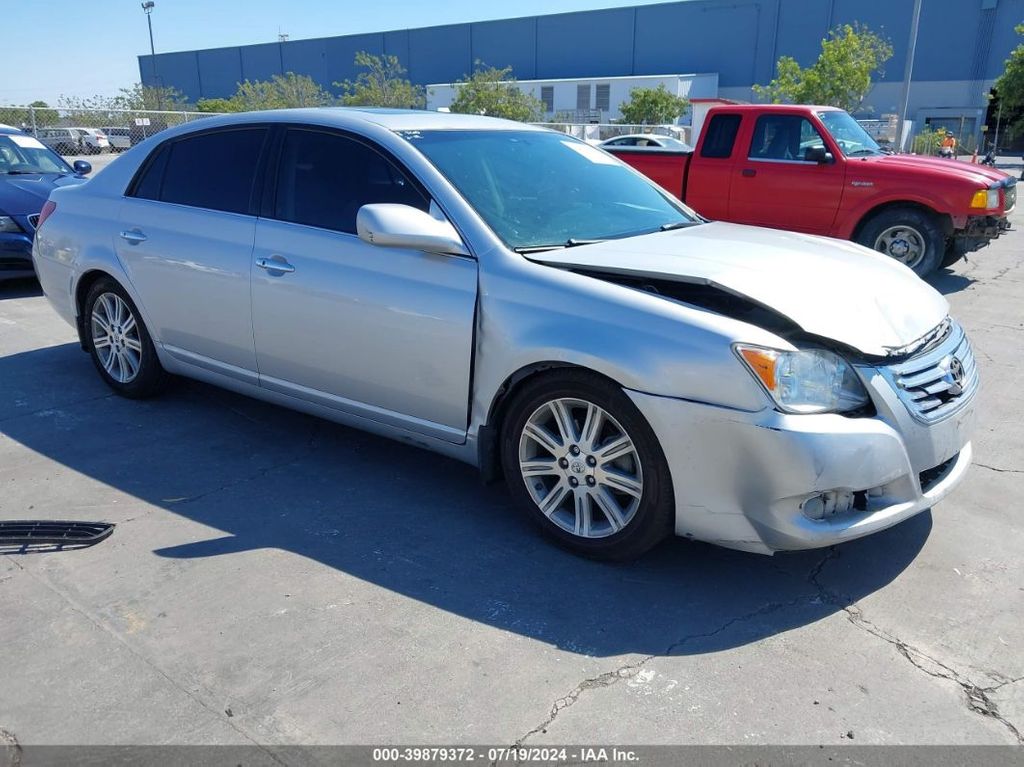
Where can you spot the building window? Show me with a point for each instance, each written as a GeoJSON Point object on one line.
{"type": "Point", "coordinates": [583, 98]}
{"type": "Point", "coordinates": [547, 96]}
{"type": "Point", "coordinates": [603, 98]}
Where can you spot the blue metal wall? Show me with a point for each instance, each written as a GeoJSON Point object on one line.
{"type": "Point", "coordinates": [960, 40]}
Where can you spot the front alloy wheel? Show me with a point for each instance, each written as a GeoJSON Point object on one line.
{"type": "Point", "coordinates": [586, 466]}
{"type": "Point", "coordinates": [903, 243]}
{"type": "Point", "coordinates": [581, 468]}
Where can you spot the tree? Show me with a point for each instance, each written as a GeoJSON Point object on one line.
{"type": "Point", "coordinates": [280, 92]}
{"type": "Point", "coordinates": [217, 105]}
{"type": "Point", "coordinates": [495, 93]}
{"type": "Point", "coordinates": [652, 106]}
{"type": "Point", "coordinates": [841, 77]}
{"type": "Point", "coordinates": [382, 85]}
{"type": "Point", "coordinates": [141, 97]}
{"type": "Point", "coordinates": [1009, 88]}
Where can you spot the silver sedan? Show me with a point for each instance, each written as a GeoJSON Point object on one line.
{"type": "Point", "coordinates": [522, 301]}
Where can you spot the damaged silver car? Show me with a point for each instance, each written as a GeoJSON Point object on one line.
{"type": "Point", "coordinates": [522, 301]}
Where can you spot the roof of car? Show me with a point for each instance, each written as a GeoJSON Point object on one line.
{"type": "Point", "coordinates": [392, 119]}
{"type": "Point", "coordinates": [801, 108]}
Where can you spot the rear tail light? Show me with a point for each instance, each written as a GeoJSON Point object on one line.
{"type": "Point", "coordinates": [44, 214]}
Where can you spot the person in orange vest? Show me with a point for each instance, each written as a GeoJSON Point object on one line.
{"type": "Point", "coordinates": [948, 146]}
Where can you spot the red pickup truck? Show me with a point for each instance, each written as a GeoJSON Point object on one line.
{"type": "Point", "coordinates": [816, 170]}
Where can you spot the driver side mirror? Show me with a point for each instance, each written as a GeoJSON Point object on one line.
{"type": "Point", "coordinates": [82, 168]}
{"type": "Point", "coordinates": [819, 155]}
{"type": "Point", "coordinates": [391, 225]}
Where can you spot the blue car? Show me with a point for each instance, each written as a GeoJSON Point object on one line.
{"type": "Point", "coordinates": [28, 172]}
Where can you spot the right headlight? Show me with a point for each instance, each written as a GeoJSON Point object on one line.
{"type": "Point", "coordinates": [805, 381]}
{"type": "Point", "coordinates": [986, 199]}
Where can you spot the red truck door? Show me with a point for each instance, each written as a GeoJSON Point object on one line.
{"type": "Point", "coordinates": [711, 167]}
{"type": "Point", "coordinates": [780, 184]}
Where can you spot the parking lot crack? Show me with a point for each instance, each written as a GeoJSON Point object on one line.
{"type": "Point", "coordinates": [630, 670]}
{"type": "Point", "coordinates": [1000, 470]}
{"type": "Point", "coordinates": [976, 697]}
{"type": "Point", "coordinates": [311, 446]}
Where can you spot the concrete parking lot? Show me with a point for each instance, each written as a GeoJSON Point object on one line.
{"type": "Point", "coordinates": [278, 579]}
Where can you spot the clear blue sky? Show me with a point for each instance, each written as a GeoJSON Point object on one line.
{"type": "Point", "coordinates": [85, 48]}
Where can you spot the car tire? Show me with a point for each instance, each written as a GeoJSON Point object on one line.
{"type": "Point", "coordinates": [909, 235]}
{"type": "Point", "coordinates": [125, 358]}
{"type": "Point", "coordinates": [604, 494]}
{"type": "Point", "coordinates": [954, 253]}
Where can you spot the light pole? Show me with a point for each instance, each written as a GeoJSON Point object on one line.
{"type": "Point", "coordinates": [908, 72]}
{"type": "Point", "coordinates": [147, 8]}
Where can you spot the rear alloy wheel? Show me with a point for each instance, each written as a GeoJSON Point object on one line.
{"type": "Point", "coordinates": [588, 468]}
{"type": "Point", "coordinates": [908, 235]}
{"type": "Point", "coordinates": [119, 343]}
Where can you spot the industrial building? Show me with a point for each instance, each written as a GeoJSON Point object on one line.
{"type": "Point", "coordinates": [961, 47]}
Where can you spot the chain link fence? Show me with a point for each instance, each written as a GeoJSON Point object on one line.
{"type": "Point", "coordinates": [597, 132]}
{"type": "Point", "coordinates": [93, 131]}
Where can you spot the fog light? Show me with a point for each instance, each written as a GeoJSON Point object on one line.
{"type": "Point", "coordinates": [819, 507]}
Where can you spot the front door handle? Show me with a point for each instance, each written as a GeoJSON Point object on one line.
{"type": "Point", "coordinates": [275, 264]}
{"type": "Point", "coordinates": [133, 236]}
{"type": "Point", "coordinates": [749, 172]}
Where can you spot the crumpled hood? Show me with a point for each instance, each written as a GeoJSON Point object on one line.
{"type": "Point", "coordinates": [25, 195]}
{"type": "Point", "coordinates": [830, 288]}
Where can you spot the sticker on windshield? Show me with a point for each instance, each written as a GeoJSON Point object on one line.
{"type": "Point", "coordinates": [25, 141]}
{"type": "Point", "coordinates": [596, 156]}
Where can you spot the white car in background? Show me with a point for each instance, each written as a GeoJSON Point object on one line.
{"type": "Point", "coordinates": [94, 140]}
{"type": "Point", "coordinates": [120, 138]}
{"type": "Point", "coordinates": [648, 141]}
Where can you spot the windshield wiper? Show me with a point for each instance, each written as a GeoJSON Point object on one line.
{"type": "Point", "coordinates": [858, 152]}
{"type": "Point", "coordinates": [678, 225]}
{"type": "Point", "coordinates": [27, 172]}
{"type": "Point", "coordinates": [572, 242]}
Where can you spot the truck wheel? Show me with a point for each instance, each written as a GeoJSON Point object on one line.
{"type": "Point", "coordinates": [586, 467]}
{"type": "Point", "coordinates": [911, 236]}
{"type": "Point", "coordinates": [954, 253]}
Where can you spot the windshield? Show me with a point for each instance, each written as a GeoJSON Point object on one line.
{"type": "Point", "coordinates": [541, 189]}
{"type": "Point", "coordinates": [852, 139]}
{"type": "Point", "coordinates": [24, 154]}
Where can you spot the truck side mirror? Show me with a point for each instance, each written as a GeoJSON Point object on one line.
{"type": "Point", "coordinates": [819, 155]}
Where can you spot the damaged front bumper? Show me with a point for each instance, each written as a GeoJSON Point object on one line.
{"type": "Point", "coordinates": [768, 481]}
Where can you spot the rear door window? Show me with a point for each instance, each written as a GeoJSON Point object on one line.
{"type": "Point", "coordinates": [324, 178]}
{"type": "Point", "coordinates": [720, 136]}
{"type": "Point", "coordinates": [214, 170]}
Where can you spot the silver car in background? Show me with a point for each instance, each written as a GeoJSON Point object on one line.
{"type": "Point", "coordinates": [522, 301]}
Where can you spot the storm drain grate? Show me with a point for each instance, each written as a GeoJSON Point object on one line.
{"type": "Point", "coordinates": [53, 533]}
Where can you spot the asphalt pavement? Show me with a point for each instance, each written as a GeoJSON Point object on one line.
{"type": "Point", "coordinates": [277, 579]}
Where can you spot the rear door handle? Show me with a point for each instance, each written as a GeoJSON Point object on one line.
{"type": "Point", "coordinates": [133, 236]}
{"type": "Point", "coordinates": [275, 264]}
{"type": "Point", "coordinates": [749, 172]}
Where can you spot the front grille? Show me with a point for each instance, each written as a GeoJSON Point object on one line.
{"type": "Point", "coordinates": [938, 382]}
{"type": "Point", "coordinates": [34, 220]}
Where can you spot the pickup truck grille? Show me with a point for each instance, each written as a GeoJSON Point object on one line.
{"type": "Point", "coordinates": [938, 382]}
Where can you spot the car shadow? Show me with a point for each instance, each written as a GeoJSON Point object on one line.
{"type": "Point", "coordinates": [946, 281]}
{"type": "Point", "coordinates": [414, 522]}
{"type": "Point", "coordinates": [23, 287]}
